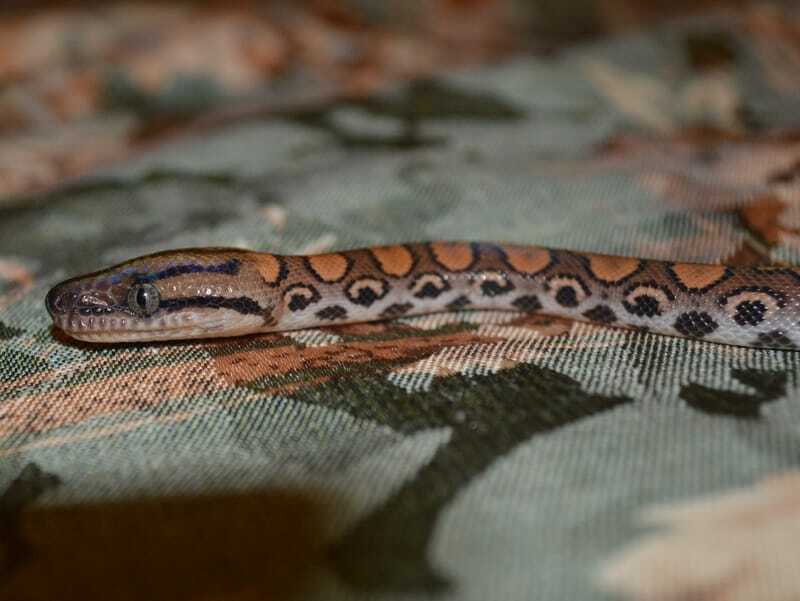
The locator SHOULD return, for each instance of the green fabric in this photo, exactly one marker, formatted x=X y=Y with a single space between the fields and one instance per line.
x=465 y=456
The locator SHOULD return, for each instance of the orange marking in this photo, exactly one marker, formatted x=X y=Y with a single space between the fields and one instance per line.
x=455 y=256
x=612 y=269
x=269 y=266
x=697 y=277
x=527 y=259
x=396 y=261
x=330 y=267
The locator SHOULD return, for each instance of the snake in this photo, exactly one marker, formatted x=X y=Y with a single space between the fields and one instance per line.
x=200 y=293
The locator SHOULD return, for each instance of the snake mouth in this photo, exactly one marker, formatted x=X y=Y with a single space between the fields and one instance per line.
x=124 y=328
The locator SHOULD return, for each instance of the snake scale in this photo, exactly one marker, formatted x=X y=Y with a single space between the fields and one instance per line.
x=213 y=292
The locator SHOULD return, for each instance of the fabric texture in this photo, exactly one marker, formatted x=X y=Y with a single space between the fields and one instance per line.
x=460 y=456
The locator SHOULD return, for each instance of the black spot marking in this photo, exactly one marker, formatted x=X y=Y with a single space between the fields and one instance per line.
x=300 y=296
x=367 y=291
x=332 y=312
x=428 y=285
x=396 y=310
x=644 y=305
x=567 y=297
x=528 y=303
x=750 y=313
x=695 y=324
x=459 y=303
x=774 y=339
x=430 y=291
x=298 y=302
x=601 y=314
x=494 y=283
x=568 y=290
x=241 y=304
x=751 y=304
x=646 y=299
x=496 y=288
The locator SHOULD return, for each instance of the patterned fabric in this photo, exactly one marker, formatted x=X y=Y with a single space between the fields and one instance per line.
x=461 y=456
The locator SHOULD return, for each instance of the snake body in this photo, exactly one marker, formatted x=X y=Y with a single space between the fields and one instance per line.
x=203 y=293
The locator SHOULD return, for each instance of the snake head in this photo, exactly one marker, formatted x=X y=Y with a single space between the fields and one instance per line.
x=167 y=296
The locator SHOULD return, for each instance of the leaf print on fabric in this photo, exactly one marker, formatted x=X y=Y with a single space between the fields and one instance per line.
x=40 y=399
x=134 y=391
x=748 y=254
x=774 y=36
x=421 y=102
x=284 y=369
x=517 y=340
x=411 y=353
x=763 y=216
x=706 y=170
x=387 y=550
x=7 y=332
x=17 y=365
x=353 y=372
x=769 y=387
x=735 y=546
x=641 y=96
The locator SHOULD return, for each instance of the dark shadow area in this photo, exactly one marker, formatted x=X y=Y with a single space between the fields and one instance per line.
x=253 y=546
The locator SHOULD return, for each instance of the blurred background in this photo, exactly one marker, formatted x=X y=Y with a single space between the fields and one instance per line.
x=86 y=84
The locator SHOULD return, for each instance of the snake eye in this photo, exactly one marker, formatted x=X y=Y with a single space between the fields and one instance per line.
x=143 y=299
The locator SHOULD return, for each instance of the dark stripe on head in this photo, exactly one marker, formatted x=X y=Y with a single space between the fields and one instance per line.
x=242 y=304
x=228 y=268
